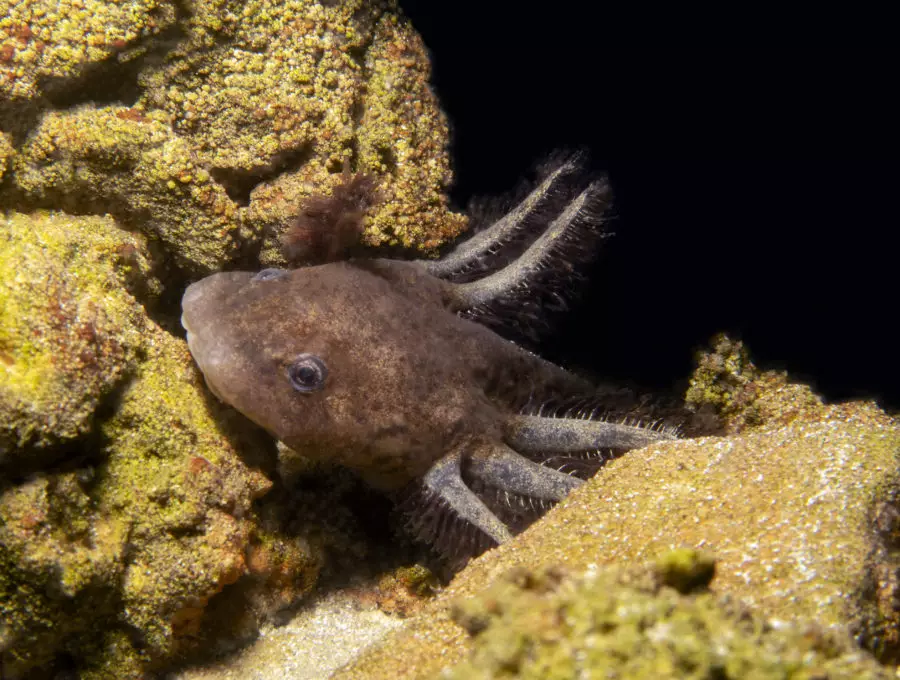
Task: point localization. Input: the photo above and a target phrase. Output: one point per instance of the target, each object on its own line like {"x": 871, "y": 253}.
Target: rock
{"x": 236, "y": 117}
{"x": 46, "y": 45}
{"x": 729, "y": 388}
{"x": 70, "y": 330}
{"x": 325, "y": 635}
{"x": 626, "y": 622}
{"x": 112, "y": 547}
{"x": 186, "y": 495}
{"x": 801, "y": 518}
{"x": 136, "y": 546}
{"x": 135, "y": 166}
{"x": 7, "y": 152}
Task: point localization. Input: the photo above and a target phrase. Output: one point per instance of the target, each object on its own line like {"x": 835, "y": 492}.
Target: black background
{"x": 753, "y": 159}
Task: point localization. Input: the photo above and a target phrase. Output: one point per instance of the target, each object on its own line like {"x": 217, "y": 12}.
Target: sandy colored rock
{"x": 801, "y": 520}
{"x": 70, "y": 331}
{"x": 319, "y": 639}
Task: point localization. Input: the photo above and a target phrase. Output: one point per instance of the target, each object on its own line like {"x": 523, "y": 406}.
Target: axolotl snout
{"x": 382, "y": 366}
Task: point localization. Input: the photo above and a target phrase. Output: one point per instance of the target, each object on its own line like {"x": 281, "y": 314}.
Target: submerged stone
{"x": 125, "y": 506}
{"x": 231, "y": 125}
{"x": 626, "y": 623}
{"x": 70, "y": 330}
{"x": 801, "y": 518}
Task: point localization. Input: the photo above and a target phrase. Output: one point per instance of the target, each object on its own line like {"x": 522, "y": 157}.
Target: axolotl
{"x": 386, "y": 366}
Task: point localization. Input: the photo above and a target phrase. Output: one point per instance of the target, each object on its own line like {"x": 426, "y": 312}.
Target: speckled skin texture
{"x": 408, "y": 381}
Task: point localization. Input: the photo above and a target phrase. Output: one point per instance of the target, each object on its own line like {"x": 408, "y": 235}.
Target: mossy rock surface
{"x": 237, "y": 111}
{"x": 801, "y": 518}
{"x": 7, "y": 151}
{"x": 125, "y": 506}
{"x": 47, "y": 45}
{"x": 629, "y": 623}
{"x": 134, "y": 547}
{"x": 70, "y": 330}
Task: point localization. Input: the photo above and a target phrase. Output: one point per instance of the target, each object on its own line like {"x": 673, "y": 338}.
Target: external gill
{"x": 484, "y": 244}
{"x": 518, "y": 274}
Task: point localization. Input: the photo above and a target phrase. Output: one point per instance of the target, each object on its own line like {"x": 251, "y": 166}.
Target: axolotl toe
{"x": 384, "y": 366}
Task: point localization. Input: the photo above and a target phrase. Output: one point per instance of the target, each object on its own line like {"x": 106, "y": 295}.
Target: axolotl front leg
{"x": 520, "y": 465}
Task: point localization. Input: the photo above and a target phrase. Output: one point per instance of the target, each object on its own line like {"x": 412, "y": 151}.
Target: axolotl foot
{"x": 456, "y": 505}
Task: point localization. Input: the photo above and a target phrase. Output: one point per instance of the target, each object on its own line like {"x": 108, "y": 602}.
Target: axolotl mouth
{"x": 206, "y": 341}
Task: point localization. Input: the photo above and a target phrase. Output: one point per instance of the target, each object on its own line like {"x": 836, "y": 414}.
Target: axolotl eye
{"x": 269, "y": 274}
{"x": 307, "y": 373}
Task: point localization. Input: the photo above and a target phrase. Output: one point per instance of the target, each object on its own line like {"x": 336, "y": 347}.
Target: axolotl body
{"x": 382, "y": 366}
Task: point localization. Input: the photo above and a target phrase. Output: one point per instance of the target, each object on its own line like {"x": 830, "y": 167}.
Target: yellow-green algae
{"x": 7, "y": 153}
{"x": 801, "y": 519}
{"x": 727, "y": 382}
{"x": 265, "y": 100}
{"x": 398, "y": 140}
{"x": 113, "y": 557}
{"x": 620, "y": 622}
{"x": 148, "y": 536}
{"x": 138, "y": 169}
{"x": 59, "y": 568}
{"x": 45, "y": 41}
{"x": 722, "y": 378}
{"x": 69, "y": 329}
{"x": 184, "y": 490}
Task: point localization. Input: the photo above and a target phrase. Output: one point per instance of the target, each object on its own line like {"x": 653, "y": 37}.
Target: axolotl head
{"x": 361, "y": 363}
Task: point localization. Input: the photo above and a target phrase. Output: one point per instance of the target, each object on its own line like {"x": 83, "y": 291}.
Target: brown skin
{"x": 408, "y": 380}
{"x": 369, "y": 364}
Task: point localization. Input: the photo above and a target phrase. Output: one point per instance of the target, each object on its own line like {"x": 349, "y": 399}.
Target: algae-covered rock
{"x": 799, "y": 518}
{"x": 185, "y": 493}
{"x": 136, "y": 167}
{"x": 236, "y": 114}
{"x": 627, "y": 623}
{"x": 46, "y": 43}
{"x": 802, "y": 520}
{"x": 124, "y": 503}
{"x": 728, "y": 385}
{"x": 6, "y": 154}
{"x": 70, "y": 331}
{"x": 722, "y": 382}
{"x": 133, "y": 548}
{"x": 275, "y": 96}
{"x": 60, "y": 565}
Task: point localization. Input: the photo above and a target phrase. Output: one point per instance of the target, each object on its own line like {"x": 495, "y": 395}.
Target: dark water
{"x": 755, "y": 189}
